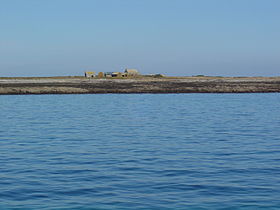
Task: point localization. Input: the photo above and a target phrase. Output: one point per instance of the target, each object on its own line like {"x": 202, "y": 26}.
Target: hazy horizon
{"x": 178, "y": 37}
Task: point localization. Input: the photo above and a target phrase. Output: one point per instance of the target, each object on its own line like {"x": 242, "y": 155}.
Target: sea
{"x": 140, "y": 151}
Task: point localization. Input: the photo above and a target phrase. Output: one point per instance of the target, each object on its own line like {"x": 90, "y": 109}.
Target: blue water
{"x": 172, "y": 151}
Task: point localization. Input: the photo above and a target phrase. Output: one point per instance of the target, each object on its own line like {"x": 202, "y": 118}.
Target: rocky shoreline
{"x": 10, "y": 86}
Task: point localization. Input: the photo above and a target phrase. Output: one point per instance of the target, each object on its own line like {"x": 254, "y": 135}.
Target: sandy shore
{"x": 68, "y": 85}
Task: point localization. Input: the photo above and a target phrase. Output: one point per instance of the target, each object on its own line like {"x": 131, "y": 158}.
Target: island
{"x": 138, "y": 84}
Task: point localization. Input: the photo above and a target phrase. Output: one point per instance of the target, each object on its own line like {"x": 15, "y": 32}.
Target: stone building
{"x": 90, "y": 74}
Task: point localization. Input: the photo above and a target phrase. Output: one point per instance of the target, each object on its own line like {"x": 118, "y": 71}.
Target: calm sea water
{"x": 173, "y": 151}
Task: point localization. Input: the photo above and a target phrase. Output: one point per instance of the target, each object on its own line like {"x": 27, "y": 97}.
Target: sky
{"x": 172, "y": 37}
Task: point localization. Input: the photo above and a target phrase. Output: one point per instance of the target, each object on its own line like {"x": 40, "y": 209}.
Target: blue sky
{"x": 174, "y": 37}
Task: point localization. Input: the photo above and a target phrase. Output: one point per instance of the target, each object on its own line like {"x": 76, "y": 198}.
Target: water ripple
{"x": 175, "y": 151}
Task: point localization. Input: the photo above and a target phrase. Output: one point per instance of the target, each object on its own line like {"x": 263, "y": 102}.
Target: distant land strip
{"x": 81, "y": 85}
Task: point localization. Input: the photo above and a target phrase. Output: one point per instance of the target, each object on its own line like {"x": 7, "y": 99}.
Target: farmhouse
{"x": 90, "y": 74}
{"x": 131, "y": 72}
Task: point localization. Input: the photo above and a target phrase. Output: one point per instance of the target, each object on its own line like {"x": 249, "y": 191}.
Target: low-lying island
{"x": 80, "y": 85}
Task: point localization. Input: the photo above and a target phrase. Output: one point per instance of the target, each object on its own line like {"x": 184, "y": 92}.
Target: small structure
{"x": 90, "y": 74}
{"x": 108, "y": 74}
{"x": 116, "y": 74}
{"x": 100, "y": 75}
{"x": 131, "y": 72}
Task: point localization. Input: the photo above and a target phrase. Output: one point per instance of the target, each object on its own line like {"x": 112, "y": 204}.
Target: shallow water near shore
{"x": 140, "y": 151}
